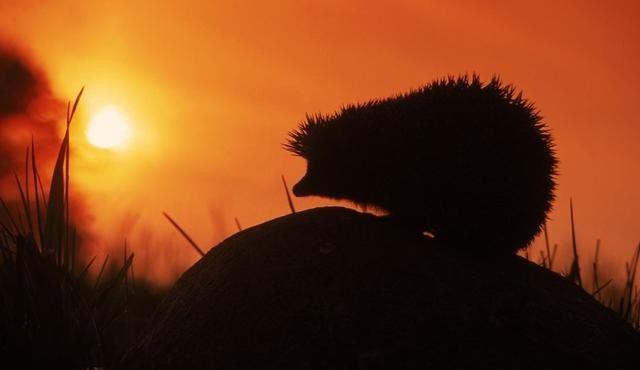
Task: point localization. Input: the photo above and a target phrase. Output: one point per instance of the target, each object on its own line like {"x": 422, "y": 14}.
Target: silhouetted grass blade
{"x": 184, "y": 234}
{"x": 574, "y": 272}
{"x": 286, "y": 190}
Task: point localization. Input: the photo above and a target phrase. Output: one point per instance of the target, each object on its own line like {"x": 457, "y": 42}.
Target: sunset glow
{"x": 215, "y": 181}
{"x": 202, "y": 94}
{"x": 109, "y": 129}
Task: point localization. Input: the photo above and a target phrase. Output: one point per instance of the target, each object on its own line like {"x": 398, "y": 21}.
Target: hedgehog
{"x": 471, "y": 164}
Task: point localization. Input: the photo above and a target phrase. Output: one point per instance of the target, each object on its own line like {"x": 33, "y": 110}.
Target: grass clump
{"x": 53, "y": 314}
{"x": 624, "y": 298}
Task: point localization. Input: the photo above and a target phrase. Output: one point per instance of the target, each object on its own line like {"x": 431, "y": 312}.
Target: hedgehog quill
{"x": 472, "y": 163}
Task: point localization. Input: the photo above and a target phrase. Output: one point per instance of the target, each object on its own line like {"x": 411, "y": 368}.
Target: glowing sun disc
{"x": 109, "y": 128}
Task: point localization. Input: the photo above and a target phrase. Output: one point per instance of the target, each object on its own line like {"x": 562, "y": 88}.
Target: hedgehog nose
{"x": 302, "y": 188}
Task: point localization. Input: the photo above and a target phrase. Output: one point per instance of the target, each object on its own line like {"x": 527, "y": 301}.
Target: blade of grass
{"x": 286, "y": 190}
{"x": 104, "y": 265}
{"x": 75, "y": 106}
{"x": 56, "y": 226}
{"x": 10, "y": 218}
{"x": 133, "y": 277}
{"x": 23, "y": 229}
{"x": 595, "y": 287}
{"x": 7, "y": 232}
{"x": 25, "y": 207}
{"x": 25, "y": 204}
{"x": 108, "y": 288}
{"x": 184, "y": 234}
{"x": 45, "y": 201}
{"x": 597, "y": 292}
{"x": 574, "y": 272}
{"x": 26, "y": 188}
{"x": 627, "y": 298}
{"x": 126, "y": 280}
{"x": 85, "y": 270}
{"x": 36, "y": 182}
{"x": 546, "y": 244}
{"x": 74, "y": 251}
{"x": 237, "y": 224}
{"x": 66, "y": 242}
{"x": 543, "y": 260}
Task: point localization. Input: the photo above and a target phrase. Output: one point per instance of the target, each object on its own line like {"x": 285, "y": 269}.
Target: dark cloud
{"x": 18, "y": 84}
{"x": 28, "y": 108}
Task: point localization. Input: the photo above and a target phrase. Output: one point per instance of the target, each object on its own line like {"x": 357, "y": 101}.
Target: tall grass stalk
{"x": 289, "y": 200}
{"x": 574, "y": 272}
{"x": 184, "y": 234}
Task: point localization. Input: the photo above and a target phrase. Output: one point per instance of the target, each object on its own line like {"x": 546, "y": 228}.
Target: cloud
{"x": 28, "y": 108}
{"x": 19, "y": 84}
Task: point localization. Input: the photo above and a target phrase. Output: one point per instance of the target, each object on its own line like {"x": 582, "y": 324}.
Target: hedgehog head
{"x": 326, "y": 142}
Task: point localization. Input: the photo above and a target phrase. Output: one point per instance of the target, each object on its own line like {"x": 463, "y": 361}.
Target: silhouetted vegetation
{"x": 55, "y": 314}
{"x": 623, "y": 298}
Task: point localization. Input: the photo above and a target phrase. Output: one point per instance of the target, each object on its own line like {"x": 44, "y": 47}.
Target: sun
{"x": 109, "y": 128}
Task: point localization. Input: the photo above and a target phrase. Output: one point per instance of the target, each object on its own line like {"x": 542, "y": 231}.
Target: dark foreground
{"x": 331, "y": 288}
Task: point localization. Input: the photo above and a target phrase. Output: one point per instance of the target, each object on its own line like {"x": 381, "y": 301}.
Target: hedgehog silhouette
{"x": 470, "y": 162}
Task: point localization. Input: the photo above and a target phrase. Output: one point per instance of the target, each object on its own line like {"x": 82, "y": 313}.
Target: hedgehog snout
{"x": 303, "y": 187}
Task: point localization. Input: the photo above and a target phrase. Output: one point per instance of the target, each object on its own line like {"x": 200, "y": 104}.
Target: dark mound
{"x": 472, "y": 163}
{"x": 332, "y": 288}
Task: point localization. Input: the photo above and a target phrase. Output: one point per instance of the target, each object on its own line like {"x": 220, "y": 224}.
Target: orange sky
{"x": 213, "y": 87}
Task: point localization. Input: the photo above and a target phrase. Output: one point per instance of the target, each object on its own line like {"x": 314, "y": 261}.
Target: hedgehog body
{"x": 472, "y": 163}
